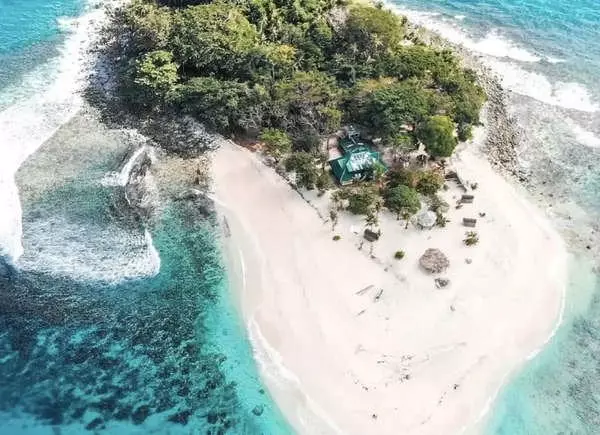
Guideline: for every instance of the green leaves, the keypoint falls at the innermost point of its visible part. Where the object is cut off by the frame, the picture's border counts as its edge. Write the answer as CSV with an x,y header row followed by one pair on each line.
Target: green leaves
x,y
277,142
155,75
402,200
437,133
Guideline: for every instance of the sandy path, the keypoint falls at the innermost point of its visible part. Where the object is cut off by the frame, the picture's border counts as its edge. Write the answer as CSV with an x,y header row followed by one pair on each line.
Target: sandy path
x,y
419,360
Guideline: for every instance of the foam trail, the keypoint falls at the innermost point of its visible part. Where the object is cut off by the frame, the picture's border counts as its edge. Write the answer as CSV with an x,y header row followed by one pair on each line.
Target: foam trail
x,y
567,95
583,136
493,44
26,125
120,178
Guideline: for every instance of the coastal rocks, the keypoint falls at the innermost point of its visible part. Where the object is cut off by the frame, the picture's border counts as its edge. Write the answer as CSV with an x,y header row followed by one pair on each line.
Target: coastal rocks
x,y
434,261
184,136
258,410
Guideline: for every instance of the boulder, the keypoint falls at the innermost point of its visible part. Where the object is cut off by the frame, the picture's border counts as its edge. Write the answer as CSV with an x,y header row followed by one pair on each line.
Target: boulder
x,y
442,282
434,261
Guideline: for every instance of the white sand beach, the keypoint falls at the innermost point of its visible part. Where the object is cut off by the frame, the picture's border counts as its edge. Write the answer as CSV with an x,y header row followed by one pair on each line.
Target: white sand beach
x,y
417,360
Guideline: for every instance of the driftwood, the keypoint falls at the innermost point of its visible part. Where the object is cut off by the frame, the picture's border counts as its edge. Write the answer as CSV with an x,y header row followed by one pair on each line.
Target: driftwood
x,y
469,222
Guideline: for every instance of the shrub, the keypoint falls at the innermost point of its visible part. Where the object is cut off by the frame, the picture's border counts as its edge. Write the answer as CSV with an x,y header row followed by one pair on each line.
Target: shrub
x,y
472,238
336,237
429,183
402,200
363,200
399,255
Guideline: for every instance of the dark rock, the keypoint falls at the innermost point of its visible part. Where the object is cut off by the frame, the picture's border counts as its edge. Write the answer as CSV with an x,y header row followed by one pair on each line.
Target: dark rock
x,y
123,413
371,236
140,414
181,417
258,410
94,424
442,282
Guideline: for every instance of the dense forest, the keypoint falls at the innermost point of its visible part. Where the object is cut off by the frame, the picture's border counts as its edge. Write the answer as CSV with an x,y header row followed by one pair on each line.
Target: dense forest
x,y
291,71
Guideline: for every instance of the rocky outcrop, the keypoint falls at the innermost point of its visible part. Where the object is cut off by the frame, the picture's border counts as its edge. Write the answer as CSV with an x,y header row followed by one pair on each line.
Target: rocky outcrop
x,y
183,136
434,261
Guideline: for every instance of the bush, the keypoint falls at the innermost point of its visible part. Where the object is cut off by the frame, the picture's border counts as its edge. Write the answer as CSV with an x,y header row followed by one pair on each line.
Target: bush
x,y
324,182
402,200
304,165
437,133
471,239
429,183
363,200
336,237
399,255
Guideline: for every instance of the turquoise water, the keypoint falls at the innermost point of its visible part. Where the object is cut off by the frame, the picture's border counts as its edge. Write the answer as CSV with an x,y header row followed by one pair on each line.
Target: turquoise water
x,y
547,55
30,34
166,354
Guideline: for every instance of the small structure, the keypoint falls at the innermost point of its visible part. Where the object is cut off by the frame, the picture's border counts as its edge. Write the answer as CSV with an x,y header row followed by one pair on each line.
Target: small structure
x,y
357,160
469,222
370,235
467,199
426,220
434,261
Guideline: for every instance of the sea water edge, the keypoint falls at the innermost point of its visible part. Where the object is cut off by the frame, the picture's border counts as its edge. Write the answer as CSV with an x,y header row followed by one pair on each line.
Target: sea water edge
x,y
84,370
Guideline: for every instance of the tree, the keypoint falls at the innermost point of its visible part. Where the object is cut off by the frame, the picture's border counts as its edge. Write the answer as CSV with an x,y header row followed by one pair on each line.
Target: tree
x,y
149,27
220,104
400,144
437,133
307,101
277,142
402,200
370,32
155,75
389,109
214,38
429,182
379,173
303,164
363,200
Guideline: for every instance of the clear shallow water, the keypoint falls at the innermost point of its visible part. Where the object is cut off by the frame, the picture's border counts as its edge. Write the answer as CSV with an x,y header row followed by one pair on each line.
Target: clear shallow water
x,y
163,354
547,54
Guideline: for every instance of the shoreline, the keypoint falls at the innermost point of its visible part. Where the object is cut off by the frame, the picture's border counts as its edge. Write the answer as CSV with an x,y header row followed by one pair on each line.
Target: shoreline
x,y
290,403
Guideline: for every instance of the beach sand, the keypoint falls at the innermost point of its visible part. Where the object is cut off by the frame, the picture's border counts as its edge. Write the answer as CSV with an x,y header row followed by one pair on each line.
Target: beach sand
x,y
416,360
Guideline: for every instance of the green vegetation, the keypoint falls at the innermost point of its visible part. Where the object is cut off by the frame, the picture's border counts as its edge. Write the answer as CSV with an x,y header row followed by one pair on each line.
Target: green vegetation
x,y
399,255
290,72
337,237
362,200
277,142
471,238
402,200
303,164
437,133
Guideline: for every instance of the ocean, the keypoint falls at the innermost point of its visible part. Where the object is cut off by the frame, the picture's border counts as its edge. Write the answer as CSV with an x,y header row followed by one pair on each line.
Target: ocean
x,y
167,352
108,324
546,53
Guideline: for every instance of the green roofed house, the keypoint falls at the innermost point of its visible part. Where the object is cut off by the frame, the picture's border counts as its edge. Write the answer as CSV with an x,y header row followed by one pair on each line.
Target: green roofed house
x,y
357,160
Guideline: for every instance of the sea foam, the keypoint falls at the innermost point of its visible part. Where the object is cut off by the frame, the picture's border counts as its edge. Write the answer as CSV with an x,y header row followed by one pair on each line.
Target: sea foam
x,y
27,124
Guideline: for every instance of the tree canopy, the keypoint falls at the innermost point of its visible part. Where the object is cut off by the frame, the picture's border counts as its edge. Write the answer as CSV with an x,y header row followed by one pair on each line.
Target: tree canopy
x,y
437,133
402,200
303,67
